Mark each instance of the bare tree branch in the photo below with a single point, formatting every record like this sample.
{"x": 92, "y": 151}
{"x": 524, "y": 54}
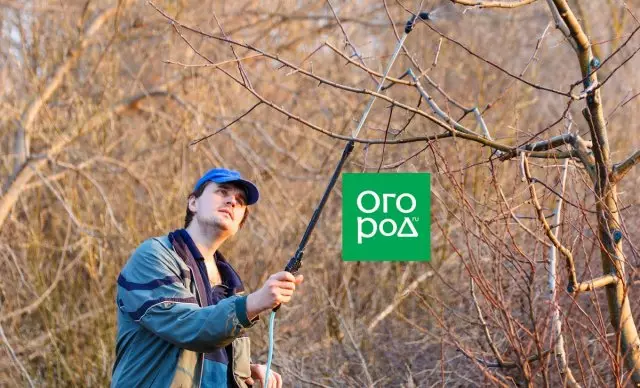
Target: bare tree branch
{"x": 469, "y": 135}
{"x": 29, "y": 169}
{"x": 571, "y": 269}
{"x": 621, "y": 169}
{"x": 500, "y": 68}
{"x": 493, "y": 4}
{"x": 612, "y": 255}
{"x": 487, "y": 334}
{"x": 437, "y": 109}
{"x": 28, "y": 117}
{"x": 15, "y": 358}
{"x": 560, "y": 24}
{"x": 556, "y": 319}
{"x": 397, "y": 300}
{"x": 228, "y": 125}
{"x": 596, "y": 283}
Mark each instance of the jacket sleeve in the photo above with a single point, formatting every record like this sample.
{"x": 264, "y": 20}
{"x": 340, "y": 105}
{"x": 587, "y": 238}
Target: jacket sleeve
{"x": 151, "y": 292}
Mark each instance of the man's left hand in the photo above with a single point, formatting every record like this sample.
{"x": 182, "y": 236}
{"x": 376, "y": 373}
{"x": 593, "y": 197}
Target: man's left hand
{"x": 258, "y": 372}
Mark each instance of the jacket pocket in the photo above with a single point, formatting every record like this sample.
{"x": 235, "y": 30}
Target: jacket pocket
{"x": 241, "y": 360}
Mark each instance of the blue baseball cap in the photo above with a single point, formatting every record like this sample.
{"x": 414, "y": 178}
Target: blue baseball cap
{"x": 223, "y": 175}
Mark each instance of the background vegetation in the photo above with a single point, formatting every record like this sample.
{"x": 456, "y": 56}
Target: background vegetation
{"x": 101, "y": 102}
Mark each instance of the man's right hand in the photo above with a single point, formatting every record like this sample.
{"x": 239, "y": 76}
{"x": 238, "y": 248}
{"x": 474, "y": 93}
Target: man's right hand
{"x": 277, "y": 289}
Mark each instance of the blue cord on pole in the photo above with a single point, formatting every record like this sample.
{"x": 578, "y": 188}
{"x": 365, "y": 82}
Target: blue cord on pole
{"x": 272, "y": 318}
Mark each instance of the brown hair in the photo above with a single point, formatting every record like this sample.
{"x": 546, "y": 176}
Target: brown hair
{"x": 197, "y": 193}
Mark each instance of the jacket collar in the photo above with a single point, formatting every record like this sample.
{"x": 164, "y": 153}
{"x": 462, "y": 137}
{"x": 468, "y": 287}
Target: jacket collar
{"x": 228, "y": 274}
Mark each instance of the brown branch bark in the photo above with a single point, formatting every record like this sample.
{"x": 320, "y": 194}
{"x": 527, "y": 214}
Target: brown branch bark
{"x": 596, "y": 283}
{"x": 621, "y": 169}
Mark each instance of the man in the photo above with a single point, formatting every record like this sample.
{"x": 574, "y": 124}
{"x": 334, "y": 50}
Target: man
{"x": 181, "y": 312}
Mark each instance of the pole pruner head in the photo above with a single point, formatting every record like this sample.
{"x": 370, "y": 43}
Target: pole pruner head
{"x": 412, "y": 21}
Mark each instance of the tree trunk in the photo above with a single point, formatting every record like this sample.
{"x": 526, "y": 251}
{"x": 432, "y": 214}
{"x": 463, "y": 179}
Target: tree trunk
{"x": 606, "y": 203}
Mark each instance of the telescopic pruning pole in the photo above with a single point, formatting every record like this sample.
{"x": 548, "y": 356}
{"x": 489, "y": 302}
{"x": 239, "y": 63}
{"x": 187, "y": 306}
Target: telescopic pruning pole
{"x": 295, "y": 262}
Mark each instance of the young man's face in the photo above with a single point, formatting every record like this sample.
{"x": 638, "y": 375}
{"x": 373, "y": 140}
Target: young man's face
{"x": 220, "y": 205}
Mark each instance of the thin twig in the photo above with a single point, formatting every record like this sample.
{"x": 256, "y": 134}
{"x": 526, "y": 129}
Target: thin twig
{"x": 228, "y": 125}
{"x": 398, "y": 299}
{"x": 468, "y": 136}
{"x": 346, "y": 38}
{"x": 15, "y": 358}
{"x": 571, "y": 269}
{"x": 493, "y": 4}
{"x": 435, "y": 59}
{"x": 243, "y": 72}
{"x": 485, "y": 328}
{"x": 498, "y": 67}
{"x": 559, "y": 195}
{"x": 386, "y": 133}
{"x": 436, "y": 109}
{"x": 80, "y": 225}
{"x": 589, "y": 74}
{"x": 211, "y": 65}
{"x": 363, "y": 362}
{"x": 365, "y": 68}
{"x": 556, "y": 322}
{"x": 38, "y": 301}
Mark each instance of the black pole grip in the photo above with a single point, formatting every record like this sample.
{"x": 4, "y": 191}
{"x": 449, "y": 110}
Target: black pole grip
{"x": 295, "y": 262}
{"x": 293, "y": 266}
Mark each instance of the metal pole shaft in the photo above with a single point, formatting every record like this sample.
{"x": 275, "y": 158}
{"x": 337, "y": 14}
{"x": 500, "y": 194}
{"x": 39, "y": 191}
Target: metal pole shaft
{"x": 384, "y": 77}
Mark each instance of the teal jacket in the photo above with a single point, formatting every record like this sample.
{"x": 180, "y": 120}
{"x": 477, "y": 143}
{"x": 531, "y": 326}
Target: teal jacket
{"x": 163, "y": 332}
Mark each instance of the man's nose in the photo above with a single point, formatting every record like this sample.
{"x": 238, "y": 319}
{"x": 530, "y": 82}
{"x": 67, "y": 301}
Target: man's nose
{"x": 231, "y": 199}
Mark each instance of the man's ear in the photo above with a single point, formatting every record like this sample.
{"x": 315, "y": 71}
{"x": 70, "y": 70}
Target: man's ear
{"x": 191, "y": 203}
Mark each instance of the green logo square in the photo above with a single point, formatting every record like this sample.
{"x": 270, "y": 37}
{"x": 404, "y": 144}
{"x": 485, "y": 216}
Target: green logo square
{"x": 386, "y": 217}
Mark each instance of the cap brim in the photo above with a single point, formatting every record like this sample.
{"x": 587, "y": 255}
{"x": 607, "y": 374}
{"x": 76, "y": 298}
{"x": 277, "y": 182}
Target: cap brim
{"x": 250, "y": 189}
